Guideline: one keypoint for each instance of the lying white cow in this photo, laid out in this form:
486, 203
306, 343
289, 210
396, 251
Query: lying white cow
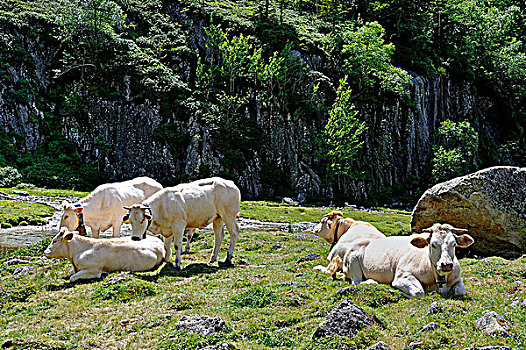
414, 264
340, 232
91, 257
173, 210
103, 208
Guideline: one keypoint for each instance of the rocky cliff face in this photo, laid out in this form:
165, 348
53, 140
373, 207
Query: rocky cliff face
117, 134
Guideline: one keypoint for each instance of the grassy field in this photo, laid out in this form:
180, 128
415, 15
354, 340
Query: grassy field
22, 213
268, 300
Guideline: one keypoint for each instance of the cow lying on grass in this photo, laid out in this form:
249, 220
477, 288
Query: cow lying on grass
414, 264
341, 232
102, 208
173, 210
91, 257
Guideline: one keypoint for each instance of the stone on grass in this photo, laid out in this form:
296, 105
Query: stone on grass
491, 203
378, 346
309, 257
429, 327
201, 325
489, 323
489, 347
434, 308
23, 270
222, 346
345, 319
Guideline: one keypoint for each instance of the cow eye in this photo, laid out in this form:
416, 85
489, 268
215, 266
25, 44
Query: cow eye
66, 216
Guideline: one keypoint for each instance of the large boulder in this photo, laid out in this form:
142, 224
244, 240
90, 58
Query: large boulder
490, 203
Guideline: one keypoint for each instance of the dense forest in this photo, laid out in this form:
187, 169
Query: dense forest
360, 101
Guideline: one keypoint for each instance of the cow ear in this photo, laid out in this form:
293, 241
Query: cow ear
126, 217
127, 208
78, 210
464, 241
419, 241
458, 230
65, 205
68, 236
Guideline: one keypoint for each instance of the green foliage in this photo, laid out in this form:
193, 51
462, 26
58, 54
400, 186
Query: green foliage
342, 133
9, 177
254, 298
59, 165
14, 213
125, 291
456, 151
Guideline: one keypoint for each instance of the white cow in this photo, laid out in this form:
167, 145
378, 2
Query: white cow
103, 208
414, 264
340, 232
91, 257
173, 210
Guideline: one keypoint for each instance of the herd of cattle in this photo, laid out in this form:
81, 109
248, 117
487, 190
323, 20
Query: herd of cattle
413, 264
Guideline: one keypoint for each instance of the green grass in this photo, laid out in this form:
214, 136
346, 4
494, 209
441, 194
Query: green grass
388, 223
267, 301
23, 213
37, 191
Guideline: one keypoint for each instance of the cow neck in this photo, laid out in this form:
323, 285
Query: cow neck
70, 258
335, 239
149, 220
81, 228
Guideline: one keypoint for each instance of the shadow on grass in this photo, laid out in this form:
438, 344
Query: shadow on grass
168, 270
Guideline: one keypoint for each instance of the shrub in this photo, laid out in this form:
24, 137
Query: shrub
9, 177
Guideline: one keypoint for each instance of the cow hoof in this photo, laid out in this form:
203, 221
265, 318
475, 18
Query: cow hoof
211, 261
228, 262
175, 267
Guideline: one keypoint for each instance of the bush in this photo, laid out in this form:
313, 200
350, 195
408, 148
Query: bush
9, 177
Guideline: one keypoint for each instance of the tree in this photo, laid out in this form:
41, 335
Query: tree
456, 150
343, 132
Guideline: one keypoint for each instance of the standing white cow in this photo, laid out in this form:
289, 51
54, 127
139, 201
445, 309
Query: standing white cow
406, 263
103, 208
173, 210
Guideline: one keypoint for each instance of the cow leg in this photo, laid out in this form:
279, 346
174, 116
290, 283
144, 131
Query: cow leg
219, 234
95, 232
408, 284
233, 231
86, 274
189, 235
178, 233
458, 288
116, 228
352, 268
168, 248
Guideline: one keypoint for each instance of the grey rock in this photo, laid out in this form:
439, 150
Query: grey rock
310, 257
416, 345
20, 193
434, 308
222, 346
490, 323
491, 203
23, 270
289, 201
15, 261
378, 346
345, 319
201, 325
429, 327
302, 198
489, 347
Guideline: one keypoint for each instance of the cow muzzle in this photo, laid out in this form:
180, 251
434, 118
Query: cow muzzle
445, 267
134, 238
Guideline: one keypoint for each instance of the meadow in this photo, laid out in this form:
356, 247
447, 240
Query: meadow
270, 299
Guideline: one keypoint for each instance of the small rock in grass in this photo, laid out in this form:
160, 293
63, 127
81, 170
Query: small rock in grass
378, 346
434, 308
416, 345
15, 261
309, 257
201, 325
490, 323
345, 319
23, 270
429, 327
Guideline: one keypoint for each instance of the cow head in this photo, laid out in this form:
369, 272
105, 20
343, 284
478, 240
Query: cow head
441, 240
140, 217
325, 229
70, 215
58, 248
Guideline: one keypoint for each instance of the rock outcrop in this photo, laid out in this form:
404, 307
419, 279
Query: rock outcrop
490, 203
345, 319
